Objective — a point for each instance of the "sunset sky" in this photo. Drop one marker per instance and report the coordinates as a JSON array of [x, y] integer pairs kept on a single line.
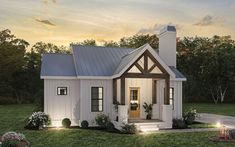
[[65, 21]]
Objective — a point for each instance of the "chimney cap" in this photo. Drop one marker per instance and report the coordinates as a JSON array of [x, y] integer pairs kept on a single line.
[[168, 28]]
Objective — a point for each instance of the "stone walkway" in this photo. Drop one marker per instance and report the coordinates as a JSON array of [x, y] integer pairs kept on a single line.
[[228, 121]]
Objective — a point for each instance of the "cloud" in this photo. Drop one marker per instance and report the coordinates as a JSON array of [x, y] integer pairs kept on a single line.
[[46, 22], [206, 21], [47, 1], [156, 28]]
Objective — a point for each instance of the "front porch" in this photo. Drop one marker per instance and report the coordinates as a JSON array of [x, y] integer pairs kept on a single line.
[[146, 80]]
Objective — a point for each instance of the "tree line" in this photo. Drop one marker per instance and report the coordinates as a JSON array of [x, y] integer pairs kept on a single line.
[[208, 64]]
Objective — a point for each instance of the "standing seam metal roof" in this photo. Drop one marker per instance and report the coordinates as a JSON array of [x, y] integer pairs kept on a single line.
[[91, 61]]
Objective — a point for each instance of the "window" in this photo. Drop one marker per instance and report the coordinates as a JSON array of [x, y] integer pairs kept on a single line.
[[62, 91], [172, 97], [96, 99]]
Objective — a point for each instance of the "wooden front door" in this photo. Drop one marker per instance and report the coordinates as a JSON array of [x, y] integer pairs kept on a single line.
[[134, 102]]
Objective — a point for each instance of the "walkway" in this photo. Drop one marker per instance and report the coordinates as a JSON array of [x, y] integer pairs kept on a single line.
[[228, 121]]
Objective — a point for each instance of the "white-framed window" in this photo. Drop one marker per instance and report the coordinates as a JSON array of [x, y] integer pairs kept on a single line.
[[62, 90], [97, 99], [172, 97]]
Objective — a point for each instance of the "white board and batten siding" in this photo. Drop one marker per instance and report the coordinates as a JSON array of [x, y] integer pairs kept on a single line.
[[177, 111], [62, 106], [85, 101]]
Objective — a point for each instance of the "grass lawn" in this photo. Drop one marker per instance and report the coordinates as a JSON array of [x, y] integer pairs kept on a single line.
[[221, 109], [12, 119]]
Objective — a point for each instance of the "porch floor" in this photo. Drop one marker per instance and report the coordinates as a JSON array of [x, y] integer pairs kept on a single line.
[[140, 120]]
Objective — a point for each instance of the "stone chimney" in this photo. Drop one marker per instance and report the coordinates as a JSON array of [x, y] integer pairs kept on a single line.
[[167, 45]]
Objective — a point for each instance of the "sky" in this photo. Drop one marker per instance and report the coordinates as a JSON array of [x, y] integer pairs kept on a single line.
[[64, 21]]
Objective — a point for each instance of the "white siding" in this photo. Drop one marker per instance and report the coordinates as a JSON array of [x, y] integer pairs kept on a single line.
[[85, 94], [61, 106], [177, 85]]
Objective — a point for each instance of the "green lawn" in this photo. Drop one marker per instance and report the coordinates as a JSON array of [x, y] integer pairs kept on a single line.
[[222, 109], [12, 119]]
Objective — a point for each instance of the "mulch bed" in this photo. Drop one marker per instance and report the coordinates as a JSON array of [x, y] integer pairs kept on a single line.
[[20, 144]]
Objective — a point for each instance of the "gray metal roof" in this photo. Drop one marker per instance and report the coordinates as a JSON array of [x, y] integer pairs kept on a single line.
[[127, 58], [177, 73], [91, 61], [57, 65], [96, 60]]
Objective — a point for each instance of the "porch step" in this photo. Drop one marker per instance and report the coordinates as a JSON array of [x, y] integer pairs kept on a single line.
[[148, 127]]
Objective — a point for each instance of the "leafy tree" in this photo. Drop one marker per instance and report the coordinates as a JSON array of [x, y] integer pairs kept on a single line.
[[139, 40], [89, 42], [208, 64], [110, 44], [12, 52]]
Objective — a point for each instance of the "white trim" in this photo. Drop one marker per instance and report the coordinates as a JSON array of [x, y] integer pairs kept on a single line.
[[95, 77], [57, 77], [179, 79]]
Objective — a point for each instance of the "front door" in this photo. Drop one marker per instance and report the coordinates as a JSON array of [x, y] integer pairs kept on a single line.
[[134, 103]]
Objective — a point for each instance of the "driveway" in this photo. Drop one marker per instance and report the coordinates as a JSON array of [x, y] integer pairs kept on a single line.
[[228, 121]]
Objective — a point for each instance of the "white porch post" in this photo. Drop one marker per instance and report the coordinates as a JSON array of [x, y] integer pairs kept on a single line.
[[167, 115], [122, 114]]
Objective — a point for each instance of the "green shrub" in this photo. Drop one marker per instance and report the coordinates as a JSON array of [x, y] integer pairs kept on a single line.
[[66, 122], [84, 124], [10, 143], [129, 129], [102, 120], [232, 133], [110, 127], [189, 116], [37, 121], [179, 124], [148, 110]]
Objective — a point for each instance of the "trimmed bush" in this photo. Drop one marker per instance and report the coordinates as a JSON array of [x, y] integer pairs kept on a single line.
[[232, 133], [37, 121], [10, 143], [84, 124], [129, 129], [66, 122], [102, 120], [189, 116], [179, 124], [110, 127]]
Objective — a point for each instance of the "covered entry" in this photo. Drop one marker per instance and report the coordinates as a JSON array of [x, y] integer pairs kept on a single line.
[[147, 70]]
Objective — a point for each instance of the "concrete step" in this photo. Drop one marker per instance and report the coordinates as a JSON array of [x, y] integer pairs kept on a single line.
[[147, 127]]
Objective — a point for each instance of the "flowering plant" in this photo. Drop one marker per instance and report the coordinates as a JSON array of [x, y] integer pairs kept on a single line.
[[13, 136], [37, 120]]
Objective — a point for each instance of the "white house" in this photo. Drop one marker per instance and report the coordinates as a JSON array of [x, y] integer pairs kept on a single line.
[[87, 82]]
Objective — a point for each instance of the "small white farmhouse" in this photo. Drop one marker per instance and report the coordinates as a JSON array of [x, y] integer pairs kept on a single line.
[[89, 81]]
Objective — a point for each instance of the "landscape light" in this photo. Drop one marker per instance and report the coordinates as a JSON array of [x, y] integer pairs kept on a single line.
[[218, 124]]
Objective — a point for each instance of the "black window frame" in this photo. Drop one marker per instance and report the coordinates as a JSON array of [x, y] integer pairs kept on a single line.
[[66, 88], [95, 108]]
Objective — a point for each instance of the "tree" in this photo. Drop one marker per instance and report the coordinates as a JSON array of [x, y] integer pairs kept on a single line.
[[208, 64], [12, 52], [89, 42], [139, 40], [110, 44]]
